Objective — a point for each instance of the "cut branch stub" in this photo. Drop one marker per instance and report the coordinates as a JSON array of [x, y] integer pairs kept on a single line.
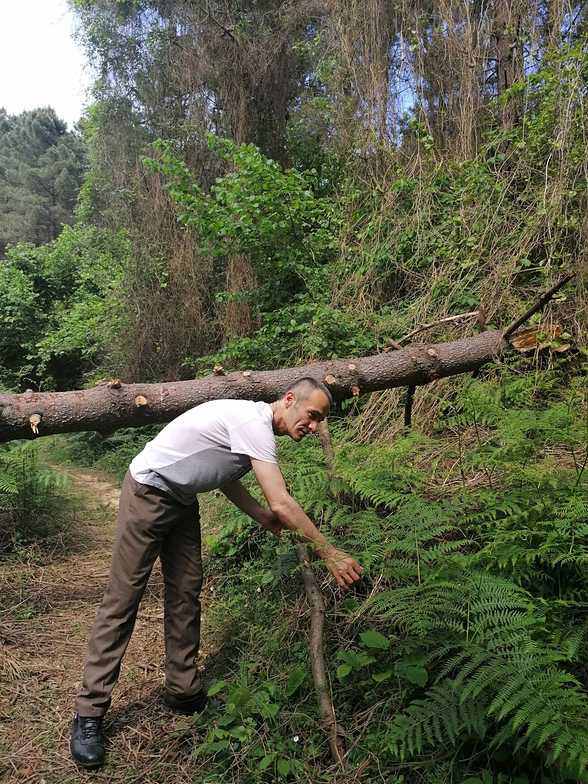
[[408, 401], [35, 420], [141, 401]]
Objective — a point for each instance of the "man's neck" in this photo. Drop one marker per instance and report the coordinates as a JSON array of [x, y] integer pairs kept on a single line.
[[276, 408]]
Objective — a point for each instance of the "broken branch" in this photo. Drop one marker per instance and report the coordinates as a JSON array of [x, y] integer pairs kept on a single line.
[[539, 305], [317, 659], [446, 320]]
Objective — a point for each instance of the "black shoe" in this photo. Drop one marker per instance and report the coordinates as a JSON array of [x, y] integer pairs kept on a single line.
[[86, 742], [187, 706]]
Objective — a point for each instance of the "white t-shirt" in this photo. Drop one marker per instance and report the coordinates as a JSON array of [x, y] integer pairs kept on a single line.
[[206, 447]]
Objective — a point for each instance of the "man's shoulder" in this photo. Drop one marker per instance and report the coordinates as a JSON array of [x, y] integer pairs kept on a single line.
[[250, 411], [236, 410]]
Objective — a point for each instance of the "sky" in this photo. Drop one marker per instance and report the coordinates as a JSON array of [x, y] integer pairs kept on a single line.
[[40, 63]]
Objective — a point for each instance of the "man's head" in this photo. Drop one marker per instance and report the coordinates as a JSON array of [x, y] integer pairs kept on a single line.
[[299, 411]]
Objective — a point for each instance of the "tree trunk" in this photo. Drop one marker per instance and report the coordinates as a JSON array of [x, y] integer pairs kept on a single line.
[[509, 55], [111, 405]]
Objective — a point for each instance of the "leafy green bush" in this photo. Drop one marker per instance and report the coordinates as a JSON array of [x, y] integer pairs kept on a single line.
[[57, 308], [301, 331], [258, 209], [288, 233]]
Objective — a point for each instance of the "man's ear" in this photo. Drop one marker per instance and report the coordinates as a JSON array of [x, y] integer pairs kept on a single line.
[[289, 399]]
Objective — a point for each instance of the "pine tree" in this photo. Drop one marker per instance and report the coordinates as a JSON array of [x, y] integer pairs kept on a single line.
[[41, 166]]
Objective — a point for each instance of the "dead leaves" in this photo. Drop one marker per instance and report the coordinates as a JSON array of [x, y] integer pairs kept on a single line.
[[541, 337]]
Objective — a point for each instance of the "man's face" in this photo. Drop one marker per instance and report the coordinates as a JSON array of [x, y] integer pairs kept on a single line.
[[302, 415]]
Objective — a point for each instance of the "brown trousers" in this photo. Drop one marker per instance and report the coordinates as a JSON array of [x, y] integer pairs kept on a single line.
[[150, 524]]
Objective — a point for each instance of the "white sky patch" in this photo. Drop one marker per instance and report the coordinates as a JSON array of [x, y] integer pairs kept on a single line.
[[40, 63]]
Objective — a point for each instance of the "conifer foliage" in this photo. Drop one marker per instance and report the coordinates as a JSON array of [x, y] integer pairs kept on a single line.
[[41, 169]]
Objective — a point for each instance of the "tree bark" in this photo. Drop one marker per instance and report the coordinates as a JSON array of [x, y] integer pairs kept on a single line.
[[317, 658], [109, 406], [509, 55]]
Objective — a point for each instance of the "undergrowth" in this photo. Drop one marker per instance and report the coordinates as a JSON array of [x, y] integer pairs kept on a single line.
[[35, 504], [112, 454], [461, 655]]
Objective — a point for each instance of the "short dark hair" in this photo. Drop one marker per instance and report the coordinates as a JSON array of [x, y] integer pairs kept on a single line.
[[306, 385]]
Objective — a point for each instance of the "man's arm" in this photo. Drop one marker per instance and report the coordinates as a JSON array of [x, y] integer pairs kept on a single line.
[[244, 501], [344, 569]]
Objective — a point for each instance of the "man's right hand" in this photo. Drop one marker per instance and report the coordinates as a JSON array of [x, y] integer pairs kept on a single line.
[[270, 521], [343, 567]]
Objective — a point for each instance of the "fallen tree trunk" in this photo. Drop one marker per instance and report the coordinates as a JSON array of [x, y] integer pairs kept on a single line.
[[111, 405]]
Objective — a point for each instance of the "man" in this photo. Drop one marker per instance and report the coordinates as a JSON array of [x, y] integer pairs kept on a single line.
[[210, 446]]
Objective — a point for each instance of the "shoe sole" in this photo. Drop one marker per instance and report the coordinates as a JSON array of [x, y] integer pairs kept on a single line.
[[87, 765], [183, 711]]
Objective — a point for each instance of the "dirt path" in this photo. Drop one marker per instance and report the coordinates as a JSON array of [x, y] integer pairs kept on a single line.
[[46, 610]]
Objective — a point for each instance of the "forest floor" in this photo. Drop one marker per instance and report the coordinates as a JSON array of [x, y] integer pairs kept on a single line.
[[47, 606]]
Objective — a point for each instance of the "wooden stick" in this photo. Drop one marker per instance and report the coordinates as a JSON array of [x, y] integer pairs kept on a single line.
[[445, 320], [408, 405], [317, 658], [317, 621], [327, 445], [541, 302]]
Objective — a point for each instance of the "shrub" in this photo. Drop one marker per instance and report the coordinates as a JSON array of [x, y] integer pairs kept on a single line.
[[34, 501]]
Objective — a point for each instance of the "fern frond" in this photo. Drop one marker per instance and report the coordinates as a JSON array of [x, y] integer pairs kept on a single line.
[[439, 719]]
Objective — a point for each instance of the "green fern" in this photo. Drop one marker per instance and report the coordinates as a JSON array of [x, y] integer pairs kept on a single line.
[[486, 585], [384, 476], [532, 542], [493, 663], [31, 496], [437, 720]]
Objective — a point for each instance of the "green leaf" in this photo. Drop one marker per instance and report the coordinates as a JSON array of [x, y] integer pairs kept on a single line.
[[216, 687], [283, 766], [270, 711], [384, 675], [343, 671], [240, 696], [218, 745], [229, 717], [411, 669], [267, 760], [373, 639], [238, 732], [295, 680]]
